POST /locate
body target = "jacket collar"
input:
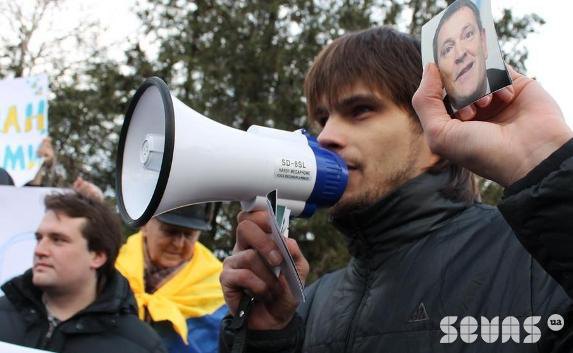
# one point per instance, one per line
(115, 299)
(408, 214)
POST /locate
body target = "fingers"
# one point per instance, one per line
(300, 261)
(506, 94)
(247, 271)
(250, 235)
(250, 260)
(484, 101)
(258, 217)
(466, 113)
(235, 281)
(87, 189)
(427, 102)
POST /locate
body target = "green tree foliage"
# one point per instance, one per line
(240, 62)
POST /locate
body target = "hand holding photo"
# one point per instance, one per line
(462, 42)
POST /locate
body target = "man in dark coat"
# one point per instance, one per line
(73, 299)
(432, 269)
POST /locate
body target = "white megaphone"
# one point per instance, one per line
(170, 156)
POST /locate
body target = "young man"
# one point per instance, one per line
(425, 254)
(73, 299)
(176, 279)
(460, 51)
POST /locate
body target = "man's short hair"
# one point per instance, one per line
(102, 228)
(390, 63)
(450, 10)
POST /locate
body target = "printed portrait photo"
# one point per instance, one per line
(462, 41)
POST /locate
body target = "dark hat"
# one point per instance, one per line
(194, 216)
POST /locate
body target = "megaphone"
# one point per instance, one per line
(170, 156)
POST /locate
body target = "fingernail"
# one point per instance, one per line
(274, 258)
(465, 113)
(484, 101)
(506, 93)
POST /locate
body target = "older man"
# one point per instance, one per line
(460, 51)
(176, 279)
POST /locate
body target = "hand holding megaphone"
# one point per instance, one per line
(170, 156)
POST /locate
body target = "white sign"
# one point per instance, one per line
(23, 125)
(21, 210)
(12, 348)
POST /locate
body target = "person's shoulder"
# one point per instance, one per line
(477, 223)
(6, 304)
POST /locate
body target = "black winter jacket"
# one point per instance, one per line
(108, 325)
(418, 258)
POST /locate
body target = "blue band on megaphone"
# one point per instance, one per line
(331, 177)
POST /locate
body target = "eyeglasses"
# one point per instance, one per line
(176, 232)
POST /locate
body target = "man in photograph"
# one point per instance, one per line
(460, 51)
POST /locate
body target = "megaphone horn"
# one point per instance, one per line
(170, 156)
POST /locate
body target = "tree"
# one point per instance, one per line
(85, 113)
(35, 43)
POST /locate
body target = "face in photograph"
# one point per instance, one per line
(460, 50)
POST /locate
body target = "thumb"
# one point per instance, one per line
(428, 104)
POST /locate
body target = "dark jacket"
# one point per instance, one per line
(418, 257)
(108, 325)
(5, 178)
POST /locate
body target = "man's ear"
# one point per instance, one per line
(98, 259)
(484, 42)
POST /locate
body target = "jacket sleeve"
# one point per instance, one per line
(288, 340)
(539, 208)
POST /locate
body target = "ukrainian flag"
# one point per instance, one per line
(187, 309)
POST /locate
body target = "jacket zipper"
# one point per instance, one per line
(350, 333)
(52, 324)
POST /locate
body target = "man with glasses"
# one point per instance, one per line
(176, 279)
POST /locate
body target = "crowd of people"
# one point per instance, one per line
(423, 248)
(88, 292)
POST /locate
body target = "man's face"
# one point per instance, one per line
(62, 261)
(169, 245)
(462, 53)
(378, 141)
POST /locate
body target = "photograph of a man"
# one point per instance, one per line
(460, 49)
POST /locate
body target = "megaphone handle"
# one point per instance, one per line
(239, 323)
